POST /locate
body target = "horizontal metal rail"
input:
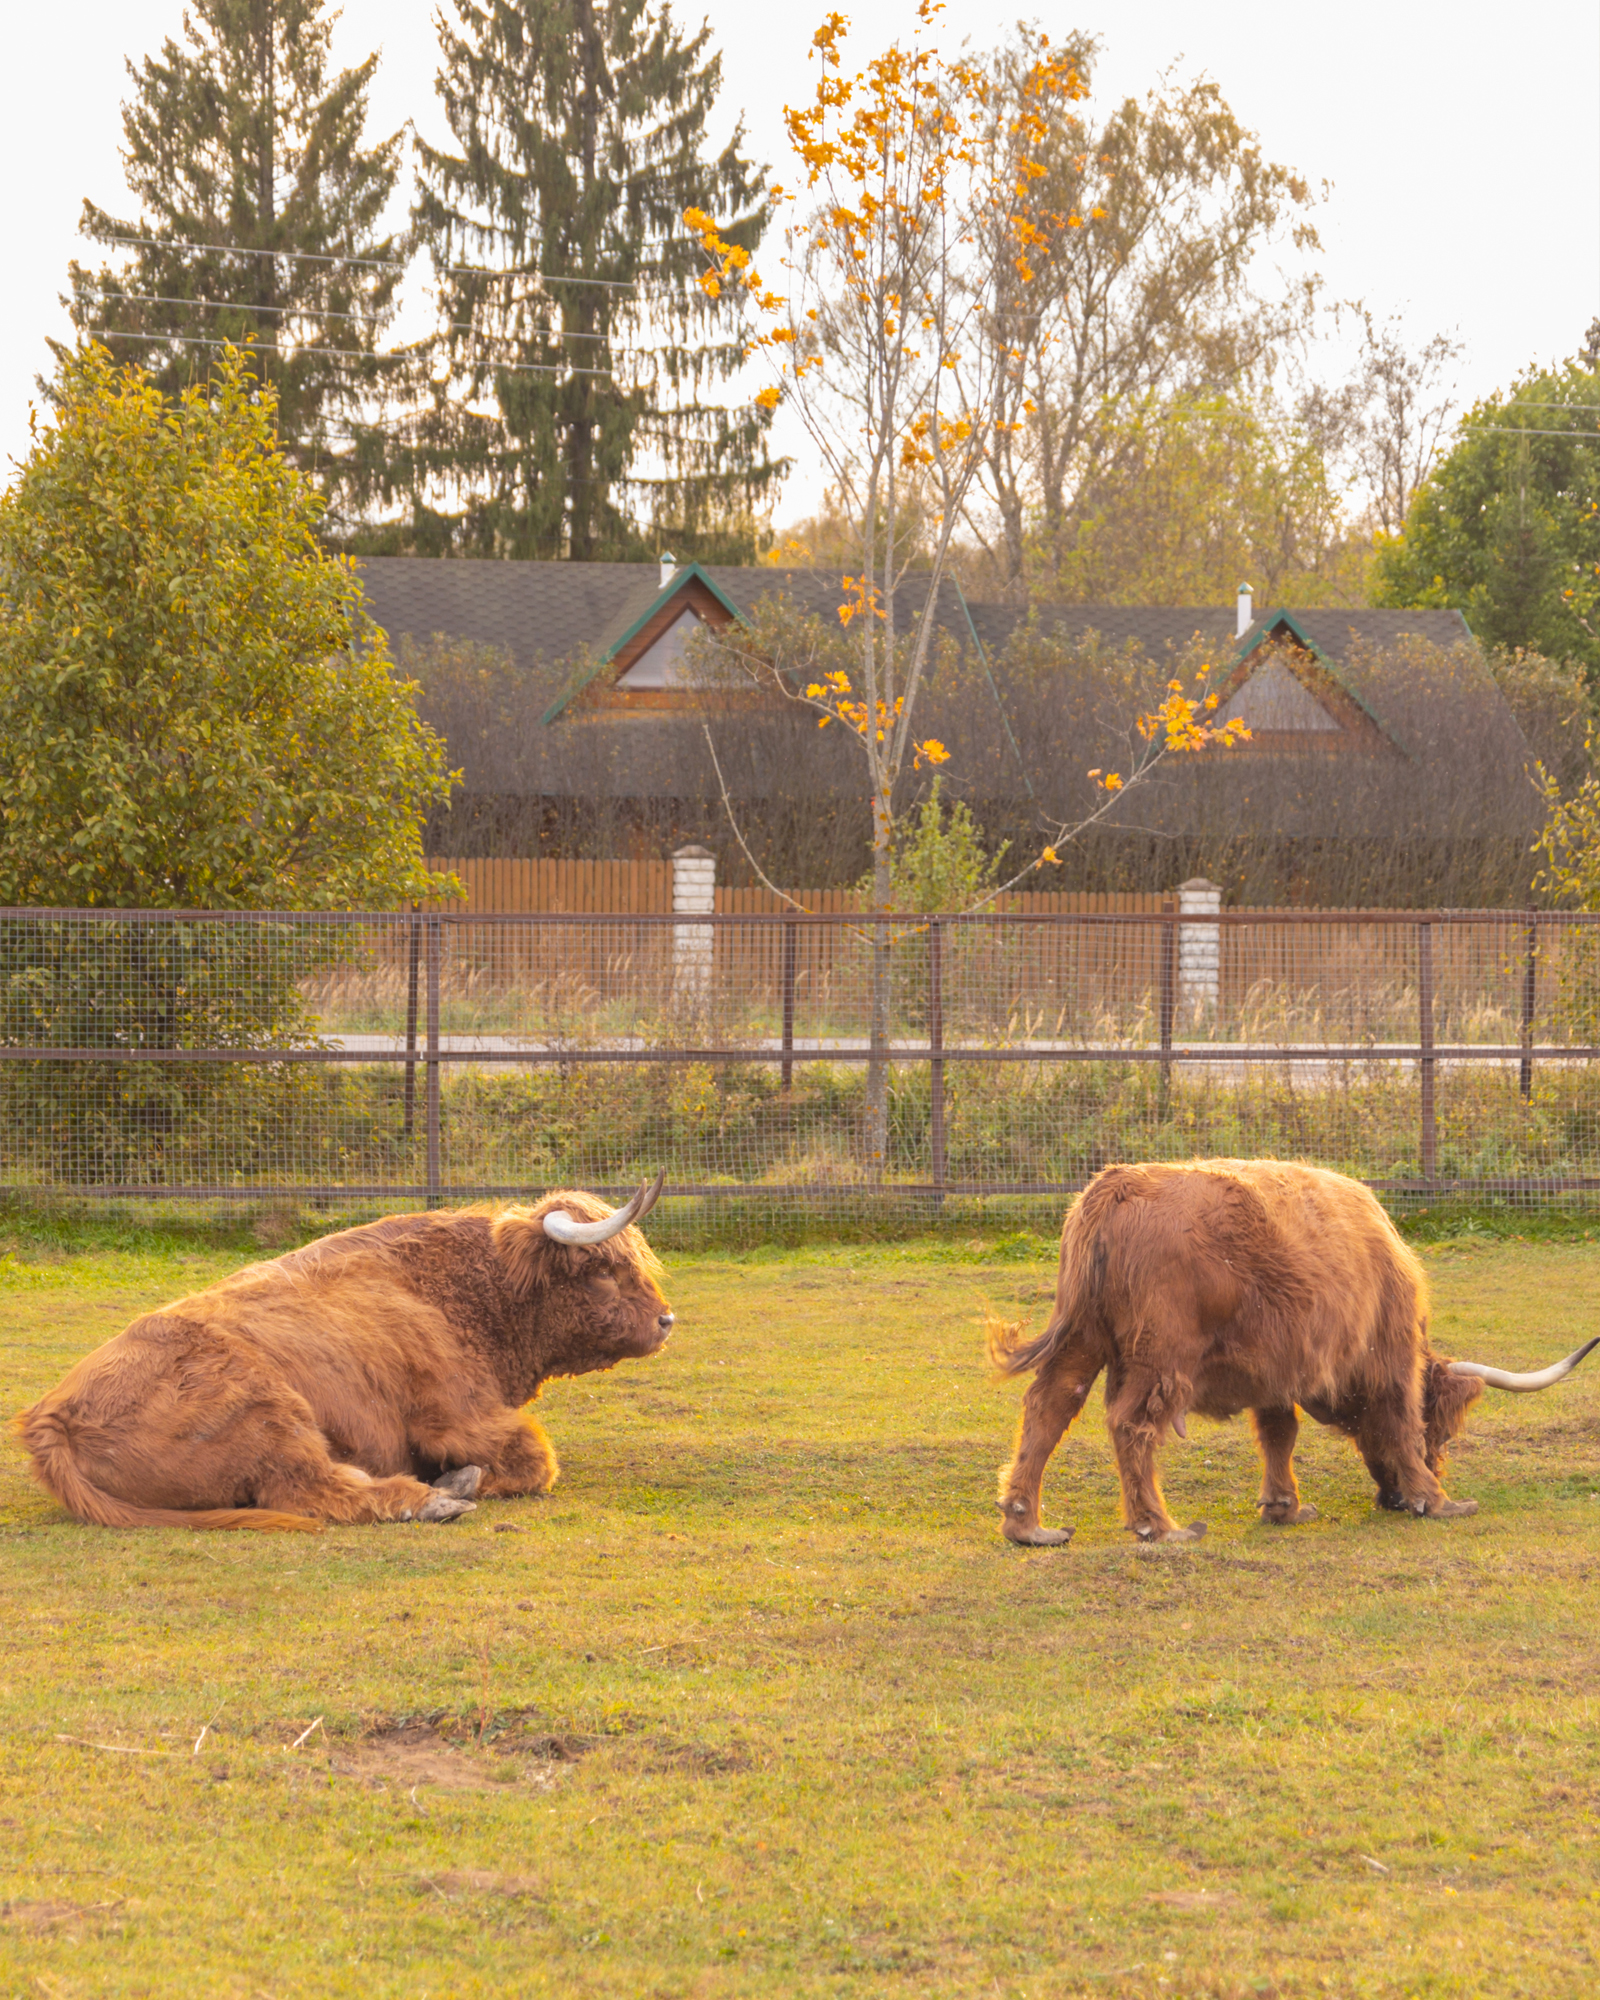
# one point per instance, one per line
(823, 919)
(1179, 1052)
(1153, 956)
(328, 1191)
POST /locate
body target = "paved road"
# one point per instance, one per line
(1226, 1061)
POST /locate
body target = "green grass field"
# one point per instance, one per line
(759, 1704)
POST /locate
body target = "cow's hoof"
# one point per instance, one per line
(463, 1482)
(445, 1507)
(1279, 1513)
(1153, 1535)
(1449, 1510)
(1038, 1538)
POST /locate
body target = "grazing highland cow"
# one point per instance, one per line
(1229, 1285)
(333, 1383)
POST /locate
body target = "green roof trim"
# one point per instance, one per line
(1268, 627)
(680, 577)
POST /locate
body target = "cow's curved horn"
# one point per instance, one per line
(567, 1229)
(1502, 1378)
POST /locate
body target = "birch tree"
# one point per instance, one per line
(912, 226)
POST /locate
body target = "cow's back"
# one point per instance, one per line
(1294, 1277)
(445, 1264)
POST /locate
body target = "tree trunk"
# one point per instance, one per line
(879, 996)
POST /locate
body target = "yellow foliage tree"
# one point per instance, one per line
(911, 231)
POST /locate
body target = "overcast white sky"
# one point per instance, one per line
(1461, 141)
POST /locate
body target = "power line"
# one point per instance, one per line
(366, 263)
(1521, 430)
(318, 312)
(332, 353)
(230, 305)
(244, 250)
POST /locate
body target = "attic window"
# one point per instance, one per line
(1273, 698)
(662, 664)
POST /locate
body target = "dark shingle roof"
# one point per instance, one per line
(1156, 628)
(549, 611)
(536, 612)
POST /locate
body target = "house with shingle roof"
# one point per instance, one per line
(1299, 679)
(623, 626)
(1413, 728)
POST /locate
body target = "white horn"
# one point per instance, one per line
(1502, 1378)
(566, 1229)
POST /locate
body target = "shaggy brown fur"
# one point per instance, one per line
(330, 1384)
(1229, 1285)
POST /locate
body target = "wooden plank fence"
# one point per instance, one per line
(502, 887)
(497, 887)
(1349, 962)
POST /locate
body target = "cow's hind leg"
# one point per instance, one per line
(491, 1453)
(1138, 1410)
(294, 1470)
(1058, 1392)
(1280, 1503)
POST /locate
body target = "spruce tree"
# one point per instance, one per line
(259, 223)
(568, 292)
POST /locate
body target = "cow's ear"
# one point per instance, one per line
(524, 1253)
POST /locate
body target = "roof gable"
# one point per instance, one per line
(1273, 698)
(690, 589)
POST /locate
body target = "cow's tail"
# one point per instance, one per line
(1083, 1270)
(56, 1468)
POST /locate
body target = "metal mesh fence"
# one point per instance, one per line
(778, 1066)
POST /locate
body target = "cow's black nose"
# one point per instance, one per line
(665, 1322)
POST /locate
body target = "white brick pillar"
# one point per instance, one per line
(694, 893)
(1199, 946)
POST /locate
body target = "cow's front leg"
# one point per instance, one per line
(1058, 1392)
(1280, 1503)
(489, 1454)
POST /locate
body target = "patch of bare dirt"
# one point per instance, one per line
(456, 1882)
(407, 1765)
(1194, 1899)
(458, 1752)
(49, 1916)
(699, 1758)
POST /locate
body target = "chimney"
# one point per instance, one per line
(669, 569)
(1246, 615)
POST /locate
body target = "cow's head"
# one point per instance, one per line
(1445, 1399)
(589, 1276)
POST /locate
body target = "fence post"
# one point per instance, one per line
(1530, 977)
(786, 980)
(1425, 1039)
(1167, 996)
(413, 956)
(1200, 945)
(936, 1062)
(694, 892)
(435, 929)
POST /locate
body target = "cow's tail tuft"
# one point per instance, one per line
(1010, 1352)
(57, 1471)
(1085, 1260)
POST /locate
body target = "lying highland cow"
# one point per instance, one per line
(332, 1383)
(1230, 1285)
